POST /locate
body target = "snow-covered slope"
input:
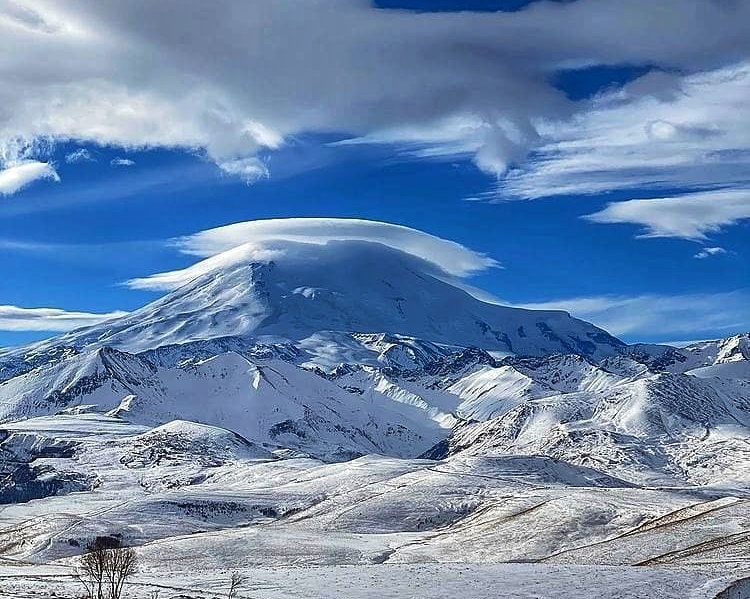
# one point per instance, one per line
(704, 354)
(659, 427)
(722, 351)
(270, 402)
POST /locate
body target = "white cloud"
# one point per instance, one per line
(655, 316)
(449, 256)
(264, 240)
(690, 216)
(661, 131)
(17, 176)
(707, 252)
(249, 169)
(684, 342)
(168, 281)
(13, 318)
(122, 162)
(79, 155)
(234, 80)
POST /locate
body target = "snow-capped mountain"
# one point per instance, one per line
(342, 286)
(353, 389)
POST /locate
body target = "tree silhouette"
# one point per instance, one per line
(105, 567)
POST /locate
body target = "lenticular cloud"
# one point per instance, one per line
(265, 240)
(451, 257)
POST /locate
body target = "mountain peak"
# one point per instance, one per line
(292, 290)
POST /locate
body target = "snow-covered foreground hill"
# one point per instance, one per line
(199, 501)
(348, 407)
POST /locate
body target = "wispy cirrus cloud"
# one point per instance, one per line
(661, 131)
(690, 216)
(119, 161)
(79, 155)
(707, 252)
(653, 317)
(15, 318)
(18, 175)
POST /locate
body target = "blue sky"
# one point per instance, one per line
(514, 166)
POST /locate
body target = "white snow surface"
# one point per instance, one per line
(343, 421)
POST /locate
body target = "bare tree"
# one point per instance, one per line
(105, 567)
(237, 582)
(90, 572)
(122, 563)
(93, 565)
